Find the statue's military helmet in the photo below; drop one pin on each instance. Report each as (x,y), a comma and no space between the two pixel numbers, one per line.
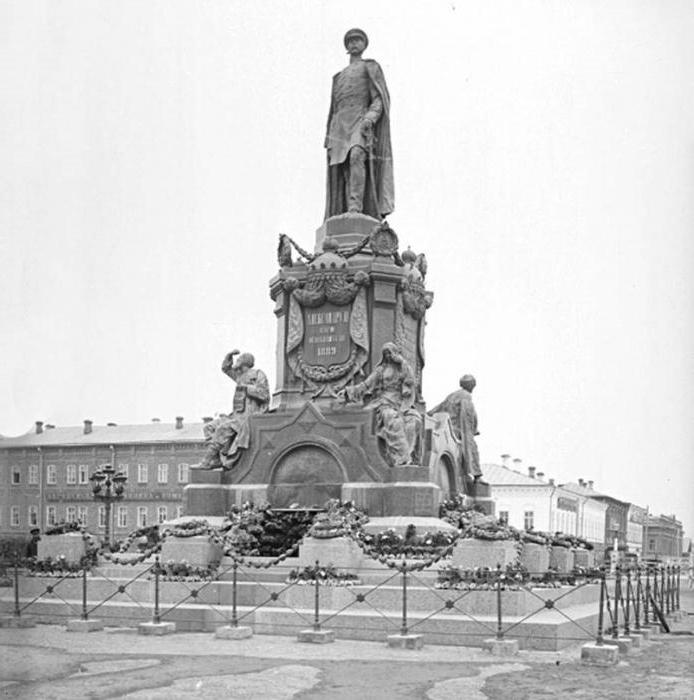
(356,32)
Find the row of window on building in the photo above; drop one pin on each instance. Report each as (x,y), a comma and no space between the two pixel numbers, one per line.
(80,473)
(144,515)
(528,518)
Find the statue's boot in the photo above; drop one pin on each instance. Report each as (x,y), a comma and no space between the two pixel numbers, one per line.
(211,460)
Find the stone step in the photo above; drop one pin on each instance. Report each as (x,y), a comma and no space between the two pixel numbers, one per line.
(548,630)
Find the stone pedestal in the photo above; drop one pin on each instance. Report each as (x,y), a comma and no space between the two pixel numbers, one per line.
(584,558)
(197,551)
(623,644)
(311,636)
(84,625)
(471,553)
(399,498)
(637,640)
(71,545)
(501,647)
(347,229)
(231,632)
(535,558)
(594,654)
(645,633)
(339,552)
(561,559)
(405,641)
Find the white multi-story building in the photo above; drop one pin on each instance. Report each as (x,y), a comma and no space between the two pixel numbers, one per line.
(527,500)
(591,512)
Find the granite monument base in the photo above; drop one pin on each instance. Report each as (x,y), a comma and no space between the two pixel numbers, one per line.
(340,552)
(472,553)
(561,559)
(535,558)
(197,551)
(71,546)
(585,558)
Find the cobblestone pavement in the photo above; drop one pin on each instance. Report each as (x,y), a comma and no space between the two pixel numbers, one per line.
(46,662)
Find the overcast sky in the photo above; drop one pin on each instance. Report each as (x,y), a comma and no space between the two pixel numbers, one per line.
(150,153)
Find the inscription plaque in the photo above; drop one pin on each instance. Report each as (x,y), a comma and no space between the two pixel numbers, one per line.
(326,335)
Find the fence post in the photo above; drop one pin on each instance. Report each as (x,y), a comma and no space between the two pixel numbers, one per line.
(599,641)
(646,601)
(679,574)
(499,628)
(17,610)
(234,614)
(662,589)
(316,601)
(156,619)
(627,630)
(667,590)
(85,614)
(617,596)
(637,600)
(403,628)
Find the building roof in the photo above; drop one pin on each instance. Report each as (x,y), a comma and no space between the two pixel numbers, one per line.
(498,475)
(107,435)
(580,490)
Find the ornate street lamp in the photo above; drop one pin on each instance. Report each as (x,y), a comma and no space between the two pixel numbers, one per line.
(108,486)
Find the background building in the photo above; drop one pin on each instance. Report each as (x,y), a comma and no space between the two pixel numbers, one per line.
(591,514)
(662,539)
(528,500)
(45,474)
(636,521)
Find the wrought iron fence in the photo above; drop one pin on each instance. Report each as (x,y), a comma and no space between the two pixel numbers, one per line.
(496,603)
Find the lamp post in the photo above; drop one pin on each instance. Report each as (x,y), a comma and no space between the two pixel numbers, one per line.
(107,487)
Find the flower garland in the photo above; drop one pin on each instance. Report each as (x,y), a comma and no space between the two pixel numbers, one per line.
(191,528)
(322,576)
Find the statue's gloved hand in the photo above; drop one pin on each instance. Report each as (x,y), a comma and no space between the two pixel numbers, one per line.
(366,126)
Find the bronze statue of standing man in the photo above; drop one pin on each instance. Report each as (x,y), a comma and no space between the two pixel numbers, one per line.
(360,160)
(460,408)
